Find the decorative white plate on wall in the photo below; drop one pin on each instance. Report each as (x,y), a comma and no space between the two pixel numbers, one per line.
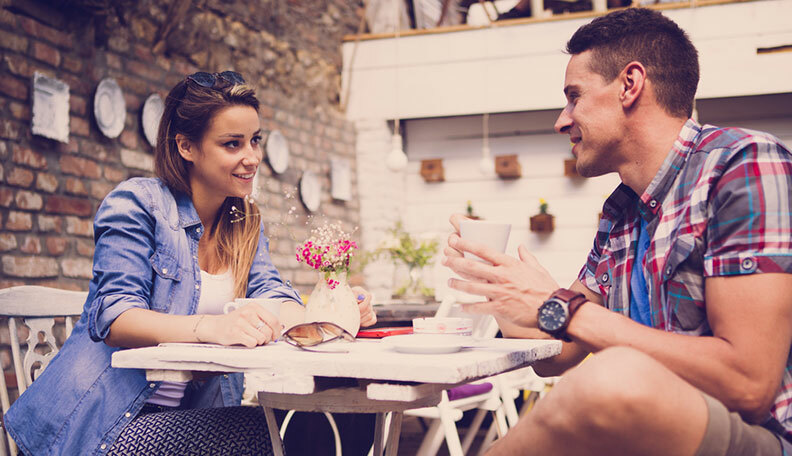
(150,117)
(277,151)
(50,108)
(109,108)
(310,191)
(340,179)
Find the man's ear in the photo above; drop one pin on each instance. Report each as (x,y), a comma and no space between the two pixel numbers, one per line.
(185,147)
(633,83)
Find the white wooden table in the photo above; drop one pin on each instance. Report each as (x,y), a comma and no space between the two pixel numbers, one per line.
(370,378)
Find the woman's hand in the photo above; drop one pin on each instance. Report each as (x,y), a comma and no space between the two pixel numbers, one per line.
(367,315)
(250,325)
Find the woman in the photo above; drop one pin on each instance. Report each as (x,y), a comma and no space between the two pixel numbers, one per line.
(169,254)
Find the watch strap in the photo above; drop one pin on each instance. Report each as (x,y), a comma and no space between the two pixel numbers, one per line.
(574,300)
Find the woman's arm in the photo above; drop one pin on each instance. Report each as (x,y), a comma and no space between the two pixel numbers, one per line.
(249,325)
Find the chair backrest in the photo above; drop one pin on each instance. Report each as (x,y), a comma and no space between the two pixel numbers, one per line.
(36,308)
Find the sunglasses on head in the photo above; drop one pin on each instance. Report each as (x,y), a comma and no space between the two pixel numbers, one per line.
(307,335)
(209,80)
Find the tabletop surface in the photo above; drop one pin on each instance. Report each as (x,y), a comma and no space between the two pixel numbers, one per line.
(366,359)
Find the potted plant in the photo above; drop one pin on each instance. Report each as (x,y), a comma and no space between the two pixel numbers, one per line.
(543,222)
(415,254)
(469,211)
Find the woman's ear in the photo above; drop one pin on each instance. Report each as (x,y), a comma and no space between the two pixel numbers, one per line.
(185,147)
(633,79)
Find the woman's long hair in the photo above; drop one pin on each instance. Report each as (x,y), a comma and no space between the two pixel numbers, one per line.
(189,108)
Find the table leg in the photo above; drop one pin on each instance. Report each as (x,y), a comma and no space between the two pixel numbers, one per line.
(274,432)
(392,447)
(379,433)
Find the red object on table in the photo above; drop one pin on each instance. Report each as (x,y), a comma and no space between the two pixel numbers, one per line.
(378,333)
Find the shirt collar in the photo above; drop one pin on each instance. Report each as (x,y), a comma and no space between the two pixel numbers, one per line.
(188,216)
(652,199)
(624,200)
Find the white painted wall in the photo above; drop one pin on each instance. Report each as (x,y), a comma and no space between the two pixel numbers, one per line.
(521,67)
(517,71)
(575,203)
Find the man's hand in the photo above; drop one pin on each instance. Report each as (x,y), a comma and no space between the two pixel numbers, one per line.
(514,288)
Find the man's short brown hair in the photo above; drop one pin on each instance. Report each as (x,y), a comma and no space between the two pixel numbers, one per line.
(646,36)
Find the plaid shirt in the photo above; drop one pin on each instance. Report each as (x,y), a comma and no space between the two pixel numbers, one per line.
(720,205)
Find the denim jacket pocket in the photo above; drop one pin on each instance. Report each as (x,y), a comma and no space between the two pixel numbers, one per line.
(164,281)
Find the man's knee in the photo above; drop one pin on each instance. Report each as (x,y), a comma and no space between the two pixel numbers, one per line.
(614,385)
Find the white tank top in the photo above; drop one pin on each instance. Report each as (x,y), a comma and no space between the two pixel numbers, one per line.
(216,290)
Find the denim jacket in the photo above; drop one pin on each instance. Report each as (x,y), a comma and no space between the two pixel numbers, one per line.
(146,256)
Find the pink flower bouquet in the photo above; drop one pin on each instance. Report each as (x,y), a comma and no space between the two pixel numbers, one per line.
(328,250)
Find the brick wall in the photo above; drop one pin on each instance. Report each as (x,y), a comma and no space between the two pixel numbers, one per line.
(49,191)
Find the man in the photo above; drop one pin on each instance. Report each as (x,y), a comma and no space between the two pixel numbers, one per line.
(686,297)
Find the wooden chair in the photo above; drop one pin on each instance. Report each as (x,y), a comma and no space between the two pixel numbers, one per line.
(36,308)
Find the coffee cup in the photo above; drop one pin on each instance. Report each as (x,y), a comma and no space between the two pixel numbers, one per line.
(494,235)
(272,305)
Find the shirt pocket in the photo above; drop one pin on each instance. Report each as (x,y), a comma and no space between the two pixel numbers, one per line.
(167,276)
(683,284)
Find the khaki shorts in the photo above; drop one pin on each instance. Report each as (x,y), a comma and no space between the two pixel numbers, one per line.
(728,435)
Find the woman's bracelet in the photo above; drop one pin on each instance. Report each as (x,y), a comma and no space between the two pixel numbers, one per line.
(195,328)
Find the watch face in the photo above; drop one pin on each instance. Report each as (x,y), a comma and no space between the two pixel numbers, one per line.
(552,316)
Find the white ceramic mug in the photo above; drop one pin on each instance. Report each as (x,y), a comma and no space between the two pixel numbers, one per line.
(494,235)
(273,305)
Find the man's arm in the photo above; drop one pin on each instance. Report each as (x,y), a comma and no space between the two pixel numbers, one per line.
(572,353)
(741,364)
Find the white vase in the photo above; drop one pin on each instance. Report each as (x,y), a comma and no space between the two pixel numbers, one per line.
(337,304)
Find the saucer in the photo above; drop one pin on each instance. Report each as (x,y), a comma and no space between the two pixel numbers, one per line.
(428,343)
(109,108)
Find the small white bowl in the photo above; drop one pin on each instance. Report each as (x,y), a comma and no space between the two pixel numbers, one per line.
(448,325)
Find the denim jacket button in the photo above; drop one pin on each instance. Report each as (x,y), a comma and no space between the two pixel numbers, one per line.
(103,446)
(152,385)
(127,414)
(164,270)
(225,375)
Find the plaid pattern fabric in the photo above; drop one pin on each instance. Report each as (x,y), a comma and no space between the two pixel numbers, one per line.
(720,205)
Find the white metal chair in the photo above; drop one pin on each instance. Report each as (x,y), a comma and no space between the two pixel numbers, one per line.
(445,414)
(36,308)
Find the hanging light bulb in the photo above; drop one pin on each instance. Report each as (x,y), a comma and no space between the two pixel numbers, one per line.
(396,159)
(486,165)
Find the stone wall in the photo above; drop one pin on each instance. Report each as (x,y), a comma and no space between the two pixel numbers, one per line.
(49,191)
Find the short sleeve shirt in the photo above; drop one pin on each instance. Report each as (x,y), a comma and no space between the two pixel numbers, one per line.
(720,205)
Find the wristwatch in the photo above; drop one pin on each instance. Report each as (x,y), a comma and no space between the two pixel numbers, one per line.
(554,314)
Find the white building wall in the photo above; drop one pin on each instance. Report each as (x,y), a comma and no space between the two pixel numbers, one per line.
(517,71)
(521,67)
